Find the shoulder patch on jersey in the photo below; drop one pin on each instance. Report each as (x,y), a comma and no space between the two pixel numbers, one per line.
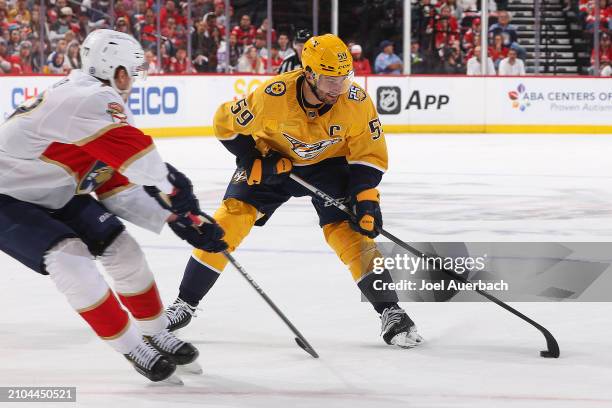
(277,88)
(355,93)
(117,112)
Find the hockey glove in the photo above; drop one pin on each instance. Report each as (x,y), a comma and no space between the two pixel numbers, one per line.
(182,200)
(368,218)
(271,169)
(200,232)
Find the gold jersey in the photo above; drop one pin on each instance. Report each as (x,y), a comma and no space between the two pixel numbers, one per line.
(277,116)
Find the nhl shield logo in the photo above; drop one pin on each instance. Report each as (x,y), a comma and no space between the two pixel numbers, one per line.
(388,100)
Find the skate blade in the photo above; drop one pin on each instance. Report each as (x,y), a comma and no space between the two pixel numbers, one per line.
(407,340)
(173,380)
(191,368)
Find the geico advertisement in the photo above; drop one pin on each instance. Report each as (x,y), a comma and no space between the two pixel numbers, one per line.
(155,102)
(427,100)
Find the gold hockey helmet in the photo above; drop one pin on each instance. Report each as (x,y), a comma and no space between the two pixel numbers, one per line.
(330,62)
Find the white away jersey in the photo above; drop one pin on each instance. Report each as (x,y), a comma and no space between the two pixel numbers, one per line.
(69,140)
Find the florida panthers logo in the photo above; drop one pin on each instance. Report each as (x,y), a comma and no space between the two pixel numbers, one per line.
(99,174)
(116,112)
(309,151)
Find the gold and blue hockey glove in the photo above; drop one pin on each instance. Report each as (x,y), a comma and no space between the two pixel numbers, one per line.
(271,169)
(368,218)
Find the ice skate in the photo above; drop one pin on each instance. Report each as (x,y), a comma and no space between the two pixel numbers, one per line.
(398,329)
(179,314)
(152,364)
(178,351)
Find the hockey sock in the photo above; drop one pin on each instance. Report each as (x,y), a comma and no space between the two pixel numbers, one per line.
(374,289)
(134,282)
(197,281)
(74,273)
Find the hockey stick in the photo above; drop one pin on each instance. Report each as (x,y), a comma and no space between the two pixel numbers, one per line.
(199,218)
(551,344)
(299,339)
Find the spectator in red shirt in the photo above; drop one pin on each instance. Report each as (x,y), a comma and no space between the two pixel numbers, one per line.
(605,50)
(3,20)
(174,33)
(446,28)
(468,38)
(121,12)
(263,30)
(498,51)
(171,11)
(5,64)
(361,65)
(178,63)
(22,62)
(245,32)
(603,15)
(277,60)
(148,29)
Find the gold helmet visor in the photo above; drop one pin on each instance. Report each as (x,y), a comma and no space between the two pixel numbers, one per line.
(335,85)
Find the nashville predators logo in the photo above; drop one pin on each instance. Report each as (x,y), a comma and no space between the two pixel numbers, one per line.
(309,151)
(99,174)
(277,88)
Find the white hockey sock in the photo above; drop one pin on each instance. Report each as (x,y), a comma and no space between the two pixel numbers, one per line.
(134,282)
(74,273)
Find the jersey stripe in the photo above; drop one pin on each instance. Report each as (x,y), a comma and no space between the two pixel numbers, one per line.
(363,163)
(119,146)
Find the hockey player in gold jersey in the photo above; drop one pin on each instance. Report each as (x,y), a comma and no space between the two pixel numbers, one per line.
(319,124)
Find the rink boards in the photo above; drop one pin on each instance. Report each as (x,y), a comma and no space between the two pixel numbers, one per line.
(184,105)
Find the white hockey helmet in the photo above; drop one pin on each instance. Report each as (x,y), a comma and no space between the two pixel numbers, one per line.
(103,51)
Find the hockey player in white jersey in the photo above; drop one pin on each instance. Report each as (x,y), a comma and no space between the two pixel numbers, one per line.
(74,139)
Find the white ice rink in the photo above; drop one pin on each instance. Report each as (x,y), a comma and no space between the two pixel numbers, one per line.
(439,188)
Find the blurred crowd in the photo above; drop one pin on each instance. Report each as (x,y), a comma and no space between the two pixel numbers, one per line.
(51,44)
(587,15)
(445,36)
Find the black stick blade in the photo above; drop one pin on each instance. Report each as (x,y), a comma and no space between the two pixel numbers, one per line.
(307,348)
(552,345)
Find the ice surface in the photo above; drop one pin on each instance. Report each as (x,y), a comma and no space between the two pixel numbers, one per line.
(439,188)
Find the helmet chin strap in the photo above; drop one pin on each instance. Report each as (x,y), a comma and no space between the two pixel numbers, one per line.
(315,90)
(123,93)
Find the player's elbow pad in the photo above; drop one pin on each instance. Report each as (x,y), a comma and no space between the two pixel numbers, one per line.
(241,145)
(363,178)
